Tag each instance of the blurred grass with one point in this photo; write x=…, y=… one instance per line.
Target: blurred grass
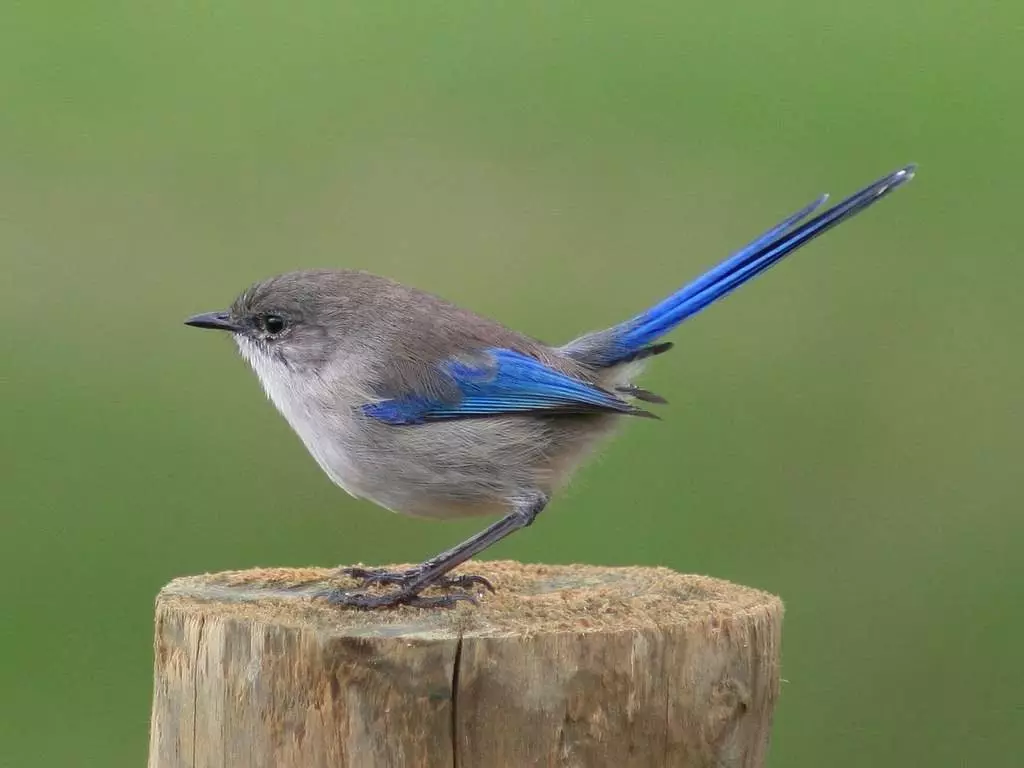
x=844, y=431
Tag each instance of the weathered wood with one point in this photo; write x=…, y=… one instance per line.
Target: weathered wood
x=564, y=666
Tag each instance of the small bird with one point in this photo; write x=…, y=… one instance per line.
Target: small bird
x=429, y=409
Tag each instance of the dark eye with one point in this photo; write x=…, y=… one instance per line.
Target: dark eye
x=274, y=323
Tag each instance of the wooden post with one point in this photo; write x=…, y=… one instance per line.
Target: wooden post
x=564, y=666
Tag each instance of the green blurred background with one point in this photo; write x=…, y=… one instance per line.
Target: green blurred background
x=845, y=431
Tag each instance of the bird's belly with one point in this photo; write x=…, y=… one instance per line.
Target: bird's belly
x=393, y=483
x=338, y=469
x=332, y=462
x=388, y=477
x=439, y=470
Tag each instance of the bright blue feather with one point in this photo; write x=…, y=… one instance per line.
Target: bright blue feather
x=505, y=382
x=624, y=341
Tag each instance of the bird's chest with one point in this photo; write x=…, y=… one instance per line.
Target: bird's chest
x=323, y=418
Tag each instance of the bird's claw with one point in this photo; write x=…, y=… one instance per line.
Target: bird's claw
x=371, y=576
x=409, y=587
x=378, y=576
x=365, y=601
x=465, y=581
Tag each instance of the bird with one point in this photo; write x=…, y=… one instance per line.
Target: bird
x=426, y=408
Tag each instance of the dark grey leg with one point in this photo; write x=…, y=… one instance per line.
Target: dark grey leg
x=433, y=571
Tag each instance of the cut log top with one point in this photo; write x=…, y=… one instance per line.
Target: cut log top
x=530, y=599
x=564, y=666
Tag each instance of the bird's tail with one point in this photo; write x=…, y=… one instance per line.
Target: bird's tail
x=635, y=338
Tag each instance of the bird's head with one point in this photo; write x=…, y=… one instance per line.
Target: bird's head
x=297, y=320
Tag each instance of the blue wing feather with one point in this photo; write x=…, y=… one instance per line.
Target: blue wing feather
x=504, y=382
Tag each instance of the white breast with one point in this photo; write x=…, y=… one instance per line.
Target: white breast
x=320, y=416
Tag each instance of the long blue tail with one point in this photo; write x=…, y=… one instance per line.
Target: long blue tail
x=635, y=338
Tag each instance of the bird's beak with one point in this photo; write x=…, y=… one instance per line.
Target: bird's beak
x=220, y=321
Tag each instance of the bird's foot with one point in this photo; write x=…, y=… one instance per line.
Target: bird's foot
x=379, y=576
x=366, y=601
x=410, y=585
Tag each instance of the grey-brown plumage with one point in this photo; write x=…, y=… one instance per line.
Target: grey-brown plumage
x=394, y=343
x=429, y=409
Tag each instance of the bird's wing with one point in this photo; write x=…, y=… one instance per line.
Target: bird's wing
x=495, y=382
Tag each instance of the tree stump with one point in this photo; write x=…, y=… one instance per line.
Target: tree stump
x=563, y=666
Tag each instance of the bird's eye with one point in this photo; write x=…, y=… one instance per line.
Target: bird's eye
x=273, y=323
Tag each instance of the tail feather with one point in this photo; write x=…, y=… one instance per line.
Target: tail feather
x=641, y=394
x=644, y=352
x=633, y=339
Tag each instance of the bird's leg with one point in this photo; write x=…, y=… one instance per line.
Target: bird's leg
x=434, y=571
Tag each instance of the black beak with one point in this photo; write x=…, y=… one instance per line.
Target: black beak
x=220, y=321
